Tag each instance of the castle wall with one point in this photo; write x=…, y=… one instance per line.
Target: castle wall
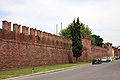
x=86, y=42
x=24, y=54
x=21, y=50
x=98, y=52
x=116, y=52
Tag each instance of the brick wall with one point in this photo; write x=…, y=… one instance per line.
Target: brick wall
x=15, y=54
x=98, y=52
x=116, y=51
x=20, y=50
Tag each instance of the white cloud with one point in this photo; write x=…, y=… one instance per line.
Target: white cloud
x=102, y=16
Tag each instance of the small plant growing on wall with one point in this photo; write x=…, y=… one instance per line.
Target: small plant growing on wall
x=61, y=43
x=30, y=36
x=43, y=38
x=48, y=39
x=22, y=36
x=57, y=42
x=64, y=44
x=38, y=38
x=53, y=42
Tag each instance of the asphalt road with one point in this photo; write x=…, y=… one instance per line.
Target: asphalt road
x=105, y=71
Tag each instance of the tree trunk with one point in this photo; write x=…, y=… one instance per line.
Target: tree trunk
x=76, y=59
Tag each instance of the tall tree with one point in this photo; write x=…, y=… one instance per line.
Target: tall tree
x=76, y=39
x=85, y=30
x=98, y=41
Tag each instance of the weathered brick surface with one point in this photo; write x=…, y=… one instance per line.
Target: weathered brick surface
x=20, y=50
x=15, y=54
x=98, y=52
x=116, y=52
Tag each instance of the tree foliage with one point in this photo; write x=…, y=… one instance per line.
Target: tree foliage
x=66, y=33
x=98, y=41
x=85, y=30
x=76, y=38
x=93, y=41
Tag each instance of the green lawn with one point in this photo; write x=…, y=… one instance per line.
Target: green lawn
x=25, y=71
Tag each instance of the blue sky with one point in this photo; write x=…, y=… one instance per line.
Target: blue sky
x=102, y=16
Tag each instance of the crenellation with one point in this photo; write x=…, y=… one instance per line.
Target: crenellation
x=41, y=48
x=24, y=29
x=27, y=30
x=6, y=26
x=19, y=28
x=15, y=28
x=32, y=31
x=38, y=33
x=87, y=37
x=41, y=34
x=9, y=24
x=41, y=37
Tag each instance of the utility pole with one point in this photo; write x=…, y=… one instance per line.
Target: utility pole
x=56, y=29
x=61, y=25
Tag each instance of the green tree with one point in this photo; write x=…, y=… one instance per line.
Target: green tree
x=93, y=41
x=76, y=39
x=98, y=41
x=66, y=32
x=85, y=30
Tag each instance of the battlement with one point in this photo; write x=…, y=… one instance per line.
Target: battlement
x=107, y=45
x=6, y=25
x=87, y=37
x=32, y=35
x=16, y=28
x=33, y=47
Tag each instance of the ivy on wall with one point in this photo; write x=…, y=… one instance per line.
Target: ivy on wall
x=57, y=42
x=22, y=36
x=53, y=42
x=60, y=43
x=30, y=36
x=43, y=38
x=48, y=39
x=37, y=37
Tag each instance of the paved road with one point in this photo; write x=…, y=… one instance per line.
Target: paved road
x=105, y=71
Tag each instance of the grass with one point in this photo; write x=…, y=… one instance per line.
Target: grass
x=26, y=71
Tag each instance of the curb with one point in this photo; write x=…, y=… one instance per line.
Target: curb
x=39, y=73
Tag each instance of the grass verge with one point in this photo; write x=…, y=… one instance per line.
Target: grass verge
x=26, y=71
